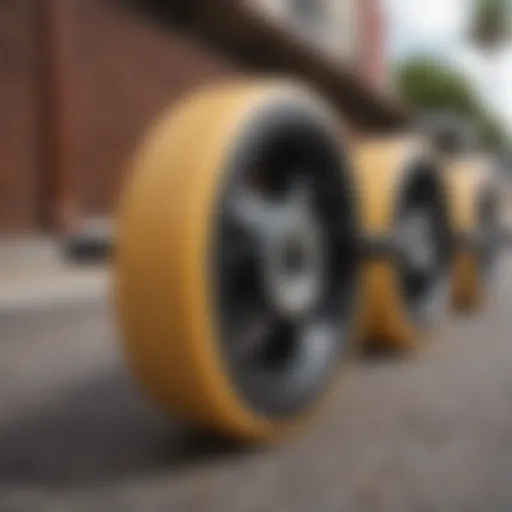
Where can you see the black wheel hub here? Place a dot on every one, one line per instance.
(284, 261)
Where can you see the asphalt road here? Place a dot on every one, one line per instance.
(432, 432)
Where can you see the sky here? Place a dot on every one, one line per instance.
(438, 27)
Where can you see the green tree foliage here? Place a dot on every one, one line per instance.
(491, 22)
(432, 87)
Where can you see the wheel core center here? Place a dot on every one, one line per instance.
(294, 267)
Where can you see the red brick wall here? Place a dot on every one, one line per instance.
(373, 50)
(19, 149)
(126, 69)
(129, 69)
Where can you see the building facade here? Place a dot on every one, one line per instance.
(349, 31)
(122, 68)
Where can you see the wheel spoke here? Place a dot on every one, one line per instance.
(263, 216)
(318, 336)
(315, 330)
(254, 212)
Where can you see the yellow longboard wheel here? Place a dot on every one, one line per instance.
(403, 205)
(474, 203)
(235, 259)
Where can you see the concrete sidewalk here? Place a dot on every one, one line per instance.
(35, 273)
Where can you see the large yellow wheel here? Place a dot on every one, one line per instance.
(235, 259)
(403, 207)
(474, 216)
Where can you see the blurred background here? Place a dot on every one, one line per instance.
(80, 81)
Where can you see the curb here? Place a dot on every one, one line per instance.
(51, 292)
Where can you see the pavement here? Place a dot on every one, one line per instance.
(429, 432)
(36, 272)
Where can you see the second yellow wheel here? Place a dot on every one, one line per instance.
(403, 207)
(235, 259)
